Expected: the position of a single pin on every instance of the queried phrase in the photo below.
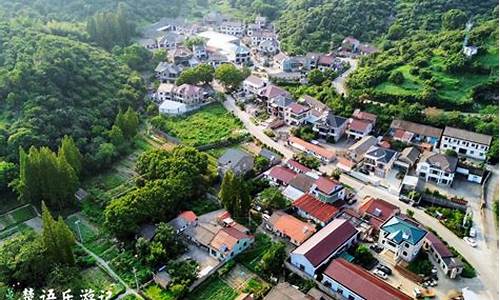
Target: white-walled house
(229, 242)
(466, 143)
(331, 126)
(296, 114)
(331, 240)
(438, 168)
(402, 237)
(232, 28)
(254, 85)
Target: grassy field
(214, 289)
(208, 125)
(252, 256)
(13, 221)
(96, 279)
(454, 88)
(154, 292)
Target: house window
(407, 246)
(340, 291)
(351, 297)
(328, 284)
(405, 253)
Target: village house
(262, 35)
(286, 63)
(271, 91)
(326, 156)
(331, 240)
(377, 211)
(235, 160)
(402, 237)
(349, 281)
(451, 265)
(296, 114)
(200, 51)
(165, 92)
(289, 227)
(268, 47)
(261, 21)
(298, 186)
(424, 136)
(273, 157)
(279, 175)
(235, 28)
(254, 85)
(315, 210)
(328, 190)
(437, 168)
(170, 40)
(378, 161)
(167, 72)
(229, 242)
(466, 143)
(360, 124)
(364, 227)
(331, 127)
(180, 55)
(315, 105)
(350, 44)
(189, 94)
(357, 151)
(297, 167)
(276, 106)
(407, 158)
(325, 62)
(285, 291)
(183, 221)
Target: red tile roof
(227, 237)
(282, 174)
(363, 115)
(326, 60)
(292, 227)
(326, 185)
(438, 245)
(327, 154)
(359, 125)
(317, 209)
(297, 108)
(361, 282)
(189, 216)
(296, 165)
(326, 241)
(378, 210)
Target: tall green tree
(234, 195)
(69, 151)
(230, 76)
(57, 238)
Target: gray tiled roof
(467, 135)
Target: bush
(421, 264)
(396, 77)
(226, 268)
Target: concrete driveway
(201, 256)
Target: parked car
(384, 269)
(377, 248)
(472, 242)
(472, 232)
(380, 274)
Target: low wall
(454, 204)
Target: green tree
(316, 77)
(396, 77)
(261, 164)
(8, 173)
(57, 238)
(395, 32)
(454, 19)
(70, 152)
(229, 76)
(227, 192)
(273, 198)
(116, 136)
(273, 259)
(363, 255)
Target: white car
(380, 274)
(472, 242)
(472, 232)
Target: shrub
(396, 77)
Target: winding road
(339, 82)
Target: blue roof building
(403, 237)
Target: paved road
(107, 268)
(255, 130)
(339, 82)
(487, 269)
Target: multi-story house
(451, 265)
(166, 72)
(268, 47)
(378, 160)
(336, 237)
(239, 162)
(262, 35)
(180, 55)
(328, 190)
(260, 21)
(199, 51)
(232, 28)
(414, 133)
(357, 151)
(438, 168)
(229, 242)
(466, 143)
(360, 124)
(254, 85)
(348, 281)
(189, 94)
(296, 114)
(331, 127)
(323, 154)
(402, 237)
(170, 40)
(289, 227)
(276, 106)
(165, 92)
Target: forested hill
(79, 10)
(312, 25)
(52, 85)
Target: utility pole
(135, 276)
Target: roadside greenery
(453, 219)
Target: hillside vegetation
(53, 86)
